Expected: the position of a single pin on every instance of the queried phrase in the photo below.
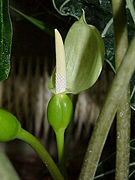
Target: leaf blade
(60, 63)
(36, 22)
(5, 39)
(84, 50)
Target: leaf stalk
(105, 119)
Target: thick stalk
(41, 151)
(123, 112)
(105, 119)
(60, 148)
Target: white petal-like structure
(60, 80)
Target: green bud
(59, 111)
(9, 126)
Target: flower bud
(59, 111)
(9, 126)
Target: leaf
(106, 168)
(97, 12)
(7, 171)
(132, 89)
(130, 6)
(131, 28)
(68, 7)
(40, 24)
(60, 80)
(84, 51)
(5, 39)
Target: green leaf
(67, 7)
(40, 24)
(130, 5)
(132, 89)
(5, 39)
(106, 168)
(7, 172)
(84, 51)
(97, 12)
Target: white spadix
(60, 80)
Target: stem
(107, 114)
(60, 148)
(41, 151)
(123, 138)
(123, 112)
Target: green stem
(105, 119)
(60, 148)
(41, 151)
(123, 112)
(123, 138)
